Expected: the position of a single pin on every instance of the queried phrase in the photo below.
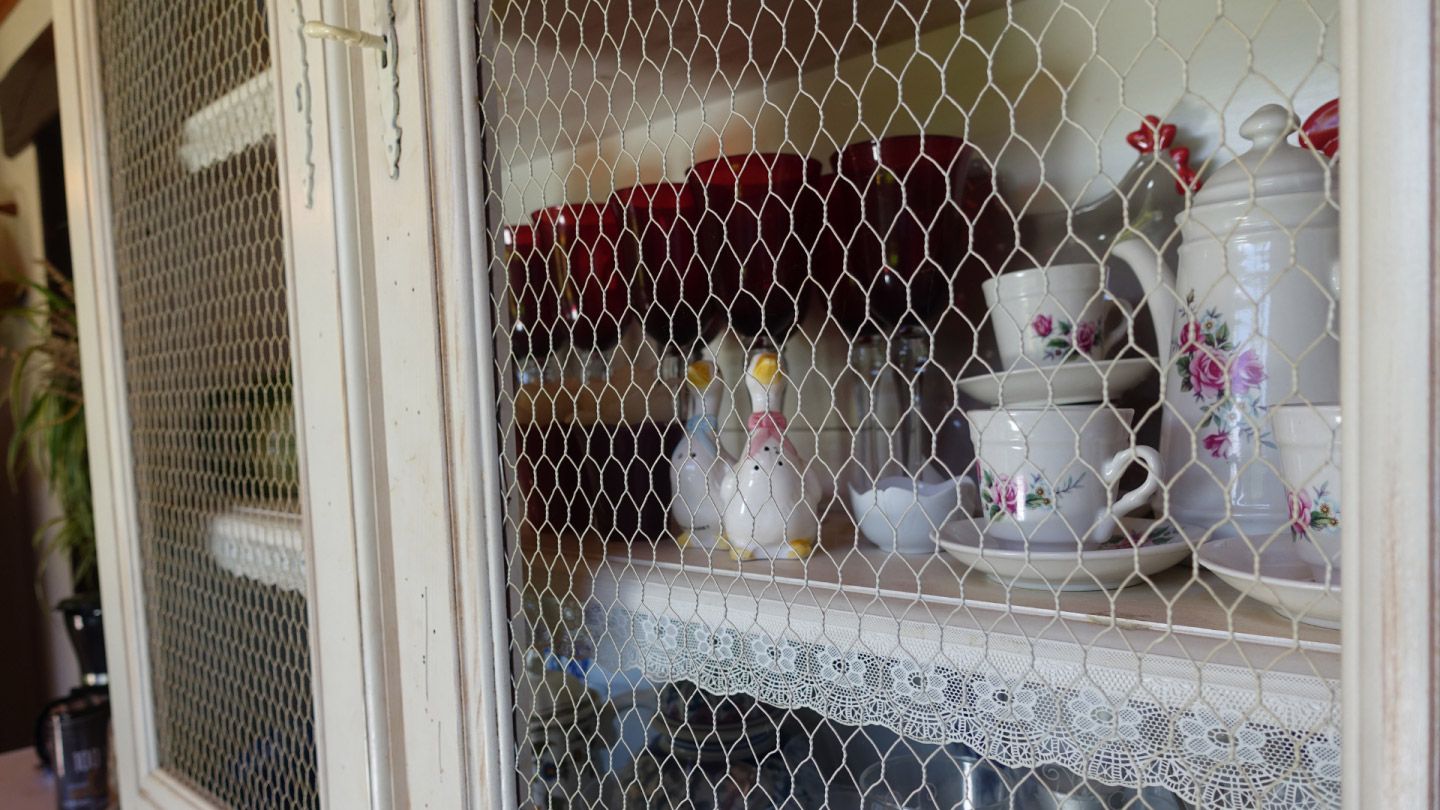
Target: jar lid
(1270, 167)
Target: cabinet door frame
(1390, 384)
(429, 279)
(352, 760)
(1390, 193)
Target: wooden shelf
(263, 544)
(229, 125)
(1185, 614)
(935, 652)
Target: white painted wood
(164, 792)
(331, 401)
(392, 331)
(87, 193)
(1167, 615)
(416, 241)
(476, 448)
(347, 674)
(1390, 368)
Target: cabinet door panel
(202, 200)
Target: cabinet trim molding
(1390, 366)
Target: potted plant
(47, 402)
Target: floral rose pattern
(1313, 511)
(1226, 381)
(1003, 495)
(1062, 339)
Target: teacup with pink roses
(1309, 439)
(1048, 316)
(1049, 476)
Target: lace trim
(1215, 742)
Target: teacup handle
(969, 496)
(1110, 473)
(1121, 330)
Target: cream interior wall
(1051, 108)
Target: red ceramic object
(1321, 131)
(760, 217)
(923, 197)
(678, 306)
(1151, 135)
(586, 249)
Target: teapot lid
(1270, 167)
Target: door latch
(389, 82)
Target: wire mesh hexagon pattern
(918, 404)
(199, 260)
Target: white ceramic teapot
(1253, 316)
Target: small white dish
(1141, 546)
(903, 515)
(1070, 383)
(1280, 579)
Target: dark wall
(23, 674)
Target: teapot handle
(1157, 281)
(1121, 330)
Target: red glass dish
(585, 246)
(923, 198)
(760, 217)
(678, 307)
(838, 286)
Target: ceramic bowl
(902, 515)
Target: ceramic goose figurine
(767, 500)
(699, 464)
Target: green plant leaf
(46, 400)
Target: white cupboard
(404, 322)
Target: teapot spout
(1158, 282)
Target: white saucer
(1096, 567)
(1282, 581)
(1066, 384)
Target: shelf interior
(1184, 613)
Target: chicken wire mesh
(922, 404)
(199, 262)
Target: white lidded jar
(1253, 318)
